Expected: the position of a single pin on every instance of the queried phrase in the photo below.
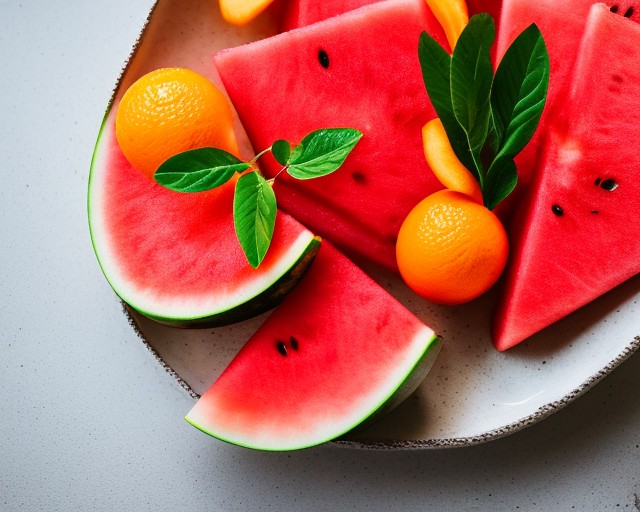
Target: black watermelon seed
(323, 58)
(598, 181)
(294, 343)
(628, 13)
(557, 210)
(595, 212)
(282, 348)
(609, 185)
(358, 177)
(613, 8)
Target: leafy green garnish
(471, 79)
(281, 150)
(488, 119)
(254, 216)
(198, 170)
(322, 152)
(254, 204)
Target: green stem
(257, 157)
(272, 180)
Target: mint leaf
(435, 63)
(519, 91)
(471, 81)
(322, 152)
(281, 150)
(198, 170)
(499, 182)
(254, 216)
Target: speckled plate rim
(540, 414)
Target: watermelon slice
(175, 257)
(359, 70)
(338, 350)
(577, 239)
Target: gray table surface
(90, 421)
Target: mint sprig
(488, 119)
(319, 153)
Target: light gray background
(89, 421)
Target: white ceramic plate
(473, 394)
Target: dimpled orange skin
(168, 111)
(450, 249)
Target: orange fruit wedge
(240, 12)
(452, 15)
(445, 164)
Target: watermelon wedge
(357, 70)
(175, 257)
(577, 238)
(338, 351)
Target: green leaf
(520, 91)
(501, 179)
(436, 74)
(471, 80)
(322, 152)
(198, 170)
(254, 216)
(281, 150)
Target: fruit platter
(393, 224)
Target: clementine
(451, 249)
(168, 111)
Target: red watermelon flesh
(300, 13)
(337, 349)
(175, 257)
(357, 70)
(577, 239)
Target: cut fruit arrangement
(368, 102)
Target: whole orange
(451, 249)
(168, 111)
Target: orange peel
(445, 164)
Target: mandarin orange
(451, 249)
(168, 111)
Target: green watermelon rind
(272, 294)
(399, 391)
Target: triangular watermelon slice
(338, 351)
(578, 237)
(357, 70)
